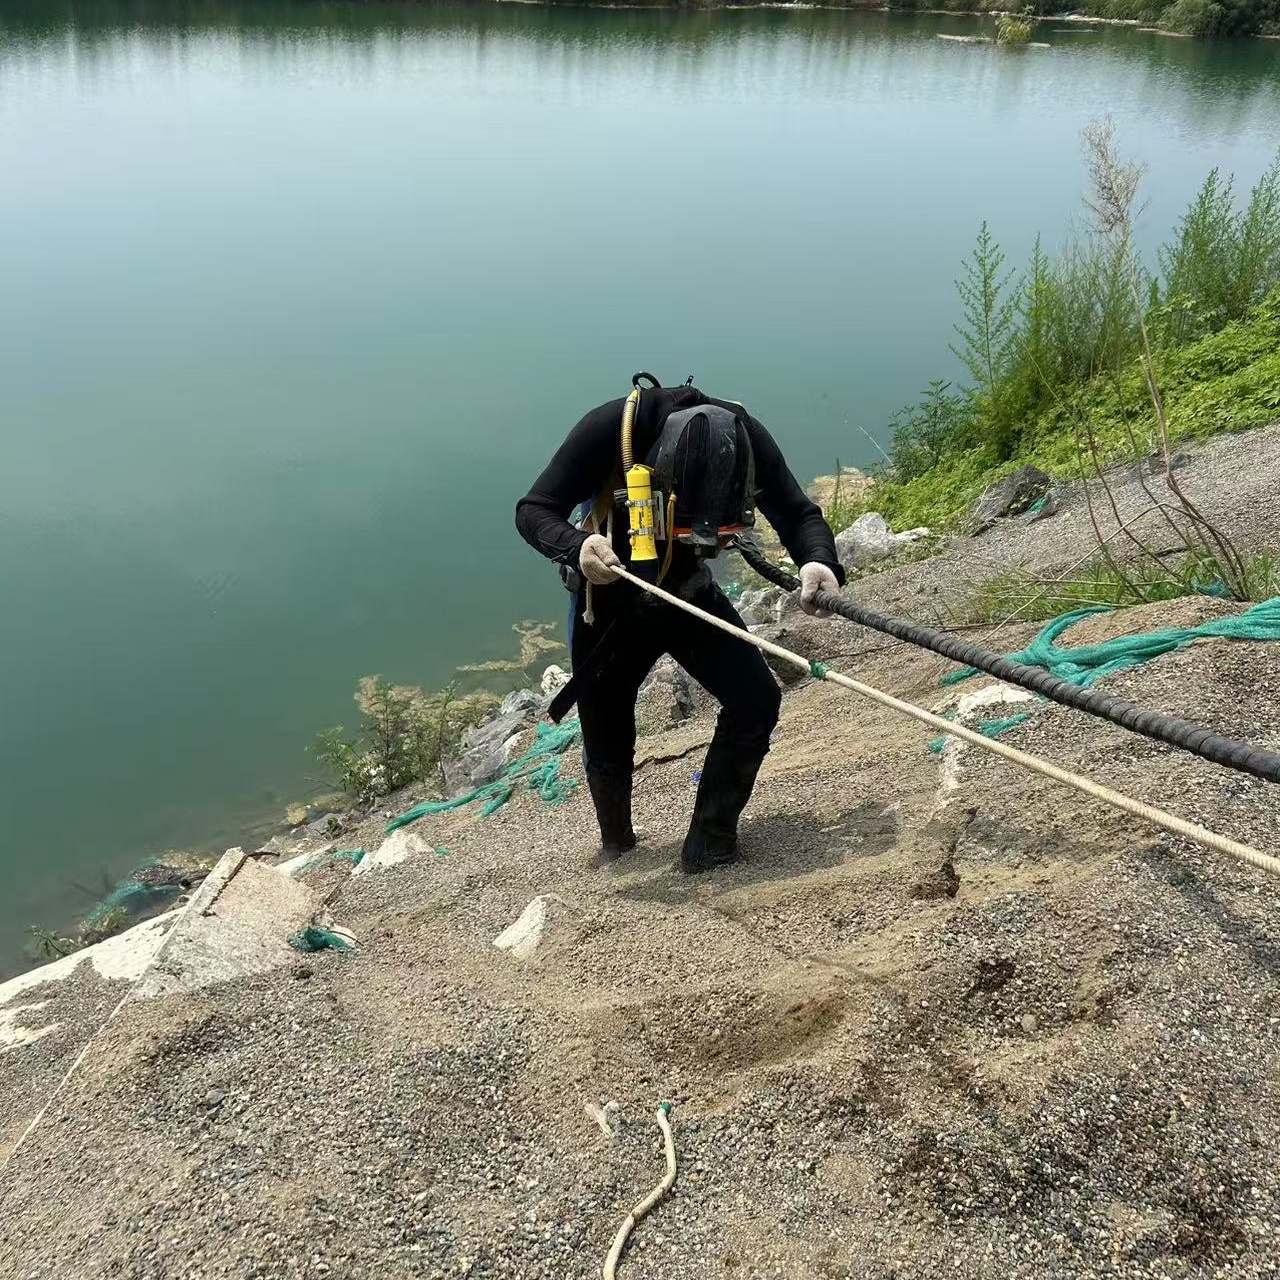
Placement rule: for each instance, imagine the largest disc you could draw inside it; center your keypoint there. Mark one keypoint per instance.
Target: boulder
(522, 702)
(869, 539)
(760, 605)
(1009, 497)
(485, 752)
(398, 847)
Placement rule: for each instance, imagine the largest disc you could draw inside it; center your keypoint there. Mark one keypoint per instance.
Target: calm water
(295, 300)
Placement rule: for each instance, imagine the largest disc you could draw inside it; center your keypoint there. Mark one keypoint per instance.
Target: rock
(485, 752)
(942, 883)
(399, 846)
(1029, 1023)
(869, 539)
(665, 699)
(537, 922)
(760, 606)
(522, 702)
(328, 824)
(1009, 497)
(852, 484)
(553, 680)
(160, 875)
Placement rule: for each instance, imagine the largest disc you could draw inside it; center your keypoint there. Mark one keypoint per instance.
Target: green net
(313, 938)
(988, 729)
(1084, 664)
(330, 856)
(538, 770)
(133, 897)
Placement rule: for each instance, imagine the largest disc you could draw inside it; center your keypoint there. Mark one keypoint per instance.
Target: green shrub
(1013, 29)
(924, 433)
(404, 736)
(1223, 261)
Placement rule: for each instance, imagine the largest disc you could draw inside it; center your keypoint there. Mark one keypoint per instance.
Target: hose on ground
(654, 1196)
(1227, 752)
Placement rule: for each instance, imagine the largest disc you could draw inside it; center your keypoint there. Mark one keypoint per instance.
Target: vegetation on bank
(1184, 17)
(1063, 357)
(404, 736)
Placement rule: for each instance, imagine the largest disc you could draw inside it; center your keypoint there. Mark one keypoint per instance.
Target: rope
(1151, 724)
(1138, 808)
(654, 1196)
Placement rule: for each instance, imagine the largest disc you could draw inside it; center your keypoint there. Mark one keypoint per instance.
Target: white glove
(814, 578)
(598, 561)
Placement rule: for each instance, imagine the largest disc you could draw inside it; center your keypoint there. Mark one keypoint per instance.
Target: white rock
(869, 539)
(553, 680)
(528, 933)
(396, 848)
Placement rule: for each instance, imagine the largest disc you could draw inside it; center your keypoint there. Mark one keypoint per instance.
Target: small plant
(924, 433)
(404, 737)
(104, 924)
(844, 508)
(50, 945)
(1019, 594)
(986, 335)
(1014, 28)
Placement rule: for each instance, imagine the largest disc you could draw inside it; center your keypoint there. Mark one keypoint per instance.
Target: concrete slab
(237, 924)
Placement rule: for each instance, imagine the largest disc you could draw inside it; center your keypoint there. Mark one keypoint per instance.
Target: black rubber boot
(612, 796)
(727, 780)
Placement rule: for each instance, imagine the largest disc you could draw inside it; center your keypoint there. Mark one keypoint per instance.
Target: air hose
(1151, 724)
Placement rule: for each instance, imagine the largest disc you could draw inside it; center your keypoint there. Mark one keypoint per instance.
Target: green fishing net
(1084, 664)
(538, 770)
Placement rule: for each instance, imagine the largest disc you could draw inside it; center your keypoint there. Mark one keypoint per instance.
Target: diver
(662, 481)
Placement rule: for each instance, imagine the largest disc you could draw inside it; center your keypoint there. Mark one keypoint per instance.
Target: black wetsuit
(587, 463)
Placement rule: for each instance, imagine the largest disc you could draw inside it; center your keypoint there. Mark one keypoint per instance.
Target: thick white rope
(648, 1203)
(1138, 808)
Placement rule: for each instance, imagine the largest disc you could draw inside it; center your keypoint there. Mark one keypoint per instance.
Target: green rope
(818, 670)
(538, 770)
(1085, 664)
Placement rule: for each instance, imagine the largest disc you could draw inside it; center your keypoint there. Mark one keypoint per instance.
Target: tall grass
(1031, 597)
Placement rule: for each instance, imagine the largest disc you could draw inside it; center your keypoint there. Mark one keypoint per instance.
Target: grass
(1033, 598)
(1226, 382)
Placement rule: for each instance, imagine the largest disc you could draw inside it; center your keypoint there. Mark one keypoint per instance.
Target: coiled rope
(648, 1203)
(1138, 808)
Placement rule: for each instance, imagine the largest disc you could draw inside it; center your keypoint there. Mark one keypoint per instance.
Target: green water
(296, 299)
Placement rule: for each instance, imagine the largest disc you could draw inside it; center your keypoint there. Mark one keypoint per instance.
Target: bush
(1223, 261)
(924, 433)
(1013, 29)
(404, 737)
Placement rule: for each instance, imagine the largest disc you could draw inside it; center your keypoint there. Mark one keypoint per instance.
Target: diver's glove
(598, 561)
(816, 577)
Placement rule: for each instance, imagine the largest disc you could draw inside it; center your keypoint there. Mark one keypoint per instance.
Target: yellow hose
(671, 537)
(629, 421)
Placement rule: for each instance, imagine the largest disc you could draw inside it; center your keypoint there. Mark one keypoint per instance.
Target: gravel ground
(995, 1032)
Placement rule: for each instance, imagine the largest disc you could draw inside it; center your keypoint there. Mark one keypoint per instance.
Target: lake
(296, 299)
